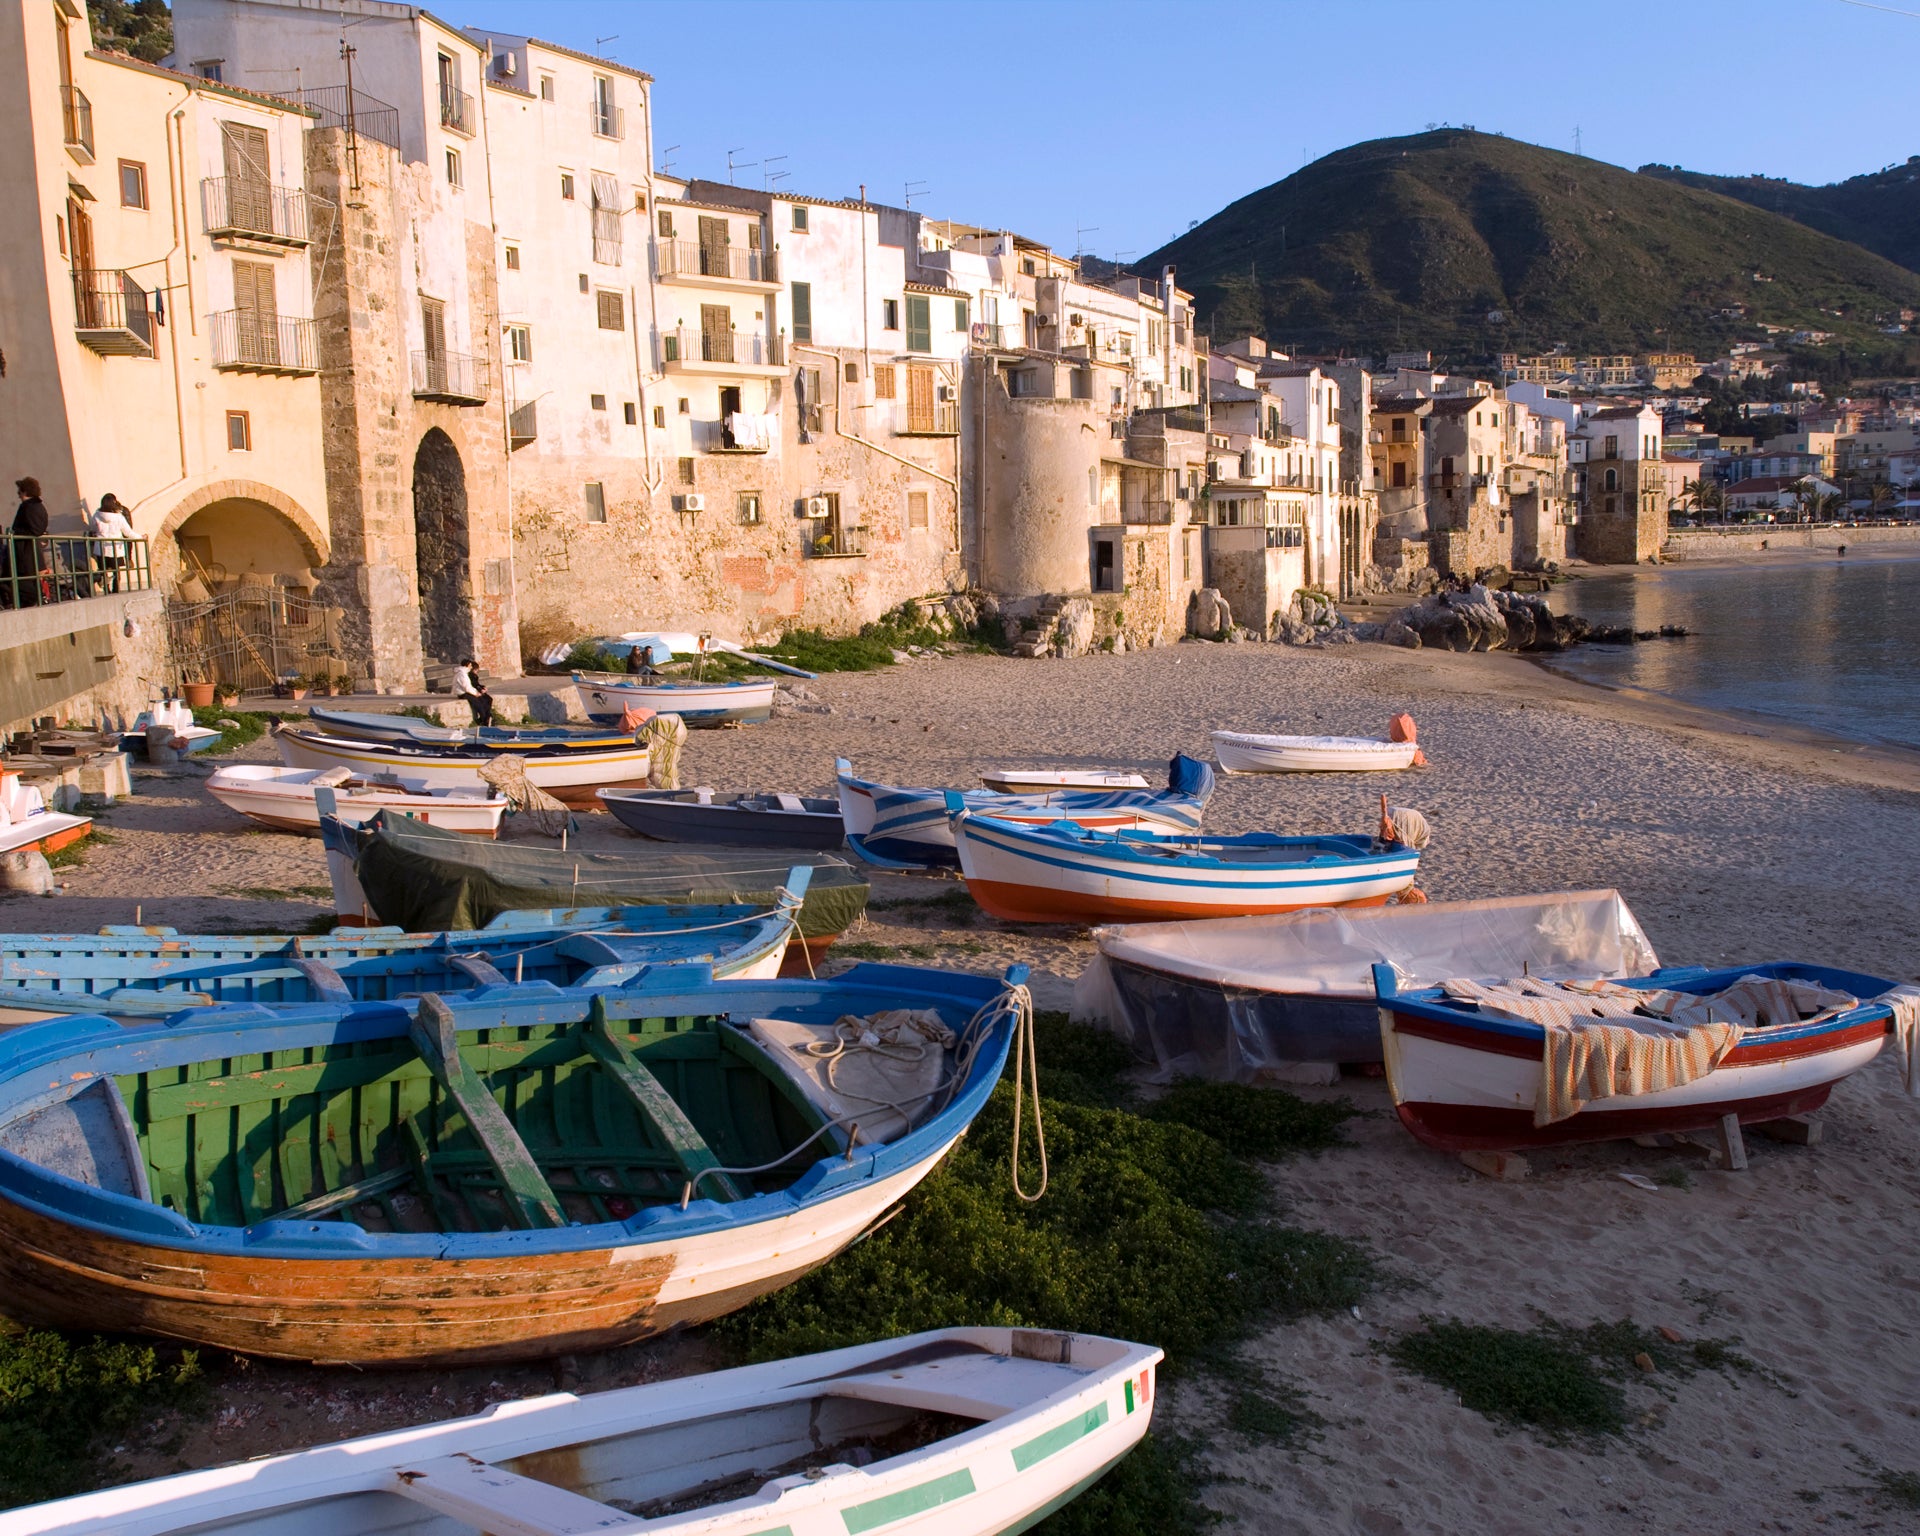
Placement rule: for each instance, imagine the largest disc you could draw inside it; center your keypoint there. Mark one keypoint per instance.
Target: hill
(1470, 244)
(1880, 210)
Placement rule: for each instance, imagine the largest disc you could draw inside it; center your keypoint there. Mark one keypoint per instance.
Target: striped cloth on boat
(1904, 1000)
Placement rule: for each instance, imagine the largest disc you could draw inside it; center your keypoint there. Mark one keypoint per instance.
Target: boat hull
(290, 805)
(1458, 1088)
(911, 825)
(1226, 1033)
(412, 1311)
(701, 706)
(570, 779)
(1042, 781)
(673, 820)
(1241, 753)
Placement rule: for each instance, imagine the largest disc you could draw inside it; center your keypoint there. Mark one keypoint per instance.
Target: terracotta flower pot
(197, 695)
(296, 692)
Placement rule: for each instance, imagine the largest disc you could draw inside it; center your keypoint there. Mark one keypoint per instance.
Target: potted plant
(230, 698)
(197, 695)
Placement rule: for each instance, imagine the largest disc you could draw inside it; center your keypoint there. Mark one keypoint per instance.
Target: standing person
(468, 684)
(29, 528)
(111, 525)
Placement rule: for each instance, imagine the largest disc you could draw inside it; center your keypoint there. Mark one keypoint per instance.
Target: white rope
(1026, 1078)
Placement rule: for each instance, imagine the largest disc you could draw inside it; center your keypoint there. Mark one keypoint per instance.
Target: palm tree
(1881, 498)
(1806, 498)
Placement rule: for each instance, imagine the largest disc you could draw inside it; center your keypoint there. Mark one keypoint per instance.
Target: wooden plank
(664, 1118)
(413, 1144)
(479, 968)
(253, 1141)
(530, 1201)
(347, 1194)
(326, 982)
(750, 1051)
(1733, 1147)
(490, 1498)
(297, 1181)
(1796, 1130)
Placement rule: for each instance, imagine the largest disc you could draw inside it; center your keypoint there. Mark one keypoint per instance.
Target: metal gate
(256, 636)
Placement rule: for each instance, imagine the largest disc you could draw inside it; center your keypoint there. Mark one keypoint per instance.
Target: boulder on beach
(1208, 616)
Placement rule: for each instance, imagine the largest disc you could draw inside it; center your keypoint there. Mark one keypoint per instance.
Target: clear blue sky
(1132, 120)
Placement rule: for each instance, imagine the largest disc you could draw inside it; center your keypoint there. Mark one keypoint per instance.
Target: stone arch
(287, 536)
(442, 549)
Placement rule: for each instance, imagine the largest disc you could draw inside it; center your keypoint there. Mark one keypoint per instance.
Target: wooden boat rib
(701, 705)
(891, 824)
(369, 726)
(155, 972)
(1240, 752)
(1231, 997)
(570, 777)
(1068, 873)
(1464, 1079)
(958, 1432)
(284, 798)
(731, 820)
(516, 1172)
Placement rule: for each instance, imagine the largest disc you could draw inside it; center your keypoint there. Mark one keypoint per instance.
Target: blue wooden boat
(546, 739)
(153, 972)
(888, 824)
(513, 1172)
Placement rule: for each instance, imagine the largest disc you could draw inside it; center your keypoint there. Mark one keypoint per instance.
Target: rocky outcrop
(1483, 620)
(1073, 629)
(1208, 616)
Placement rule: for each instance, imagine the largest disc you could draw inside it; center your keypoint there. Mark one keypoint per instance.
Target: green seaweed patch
(1154, 1490)
(1254, 1122)
(75, 853)
(1561, 1381)
(62, 1396)
(237, 728)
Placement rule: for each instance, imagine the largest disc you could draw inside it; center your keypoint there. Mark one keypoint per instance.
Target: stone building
(1623, 512)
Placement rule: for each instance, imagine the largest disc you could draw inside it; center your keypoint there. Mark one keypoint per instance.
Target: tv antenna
(912, 189)
(769, 177)
(737, 165)
(666, 159)
(612, 37)
(1576, 138)
(1080, 233)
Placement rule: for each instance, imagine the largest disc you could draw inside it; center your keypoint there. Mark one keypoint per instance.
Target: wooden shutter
(919, 399)
(243, 151)
(916, 509)
(803, 313)
(883, 381)
(433, 327)
(612, 307)
(713, 247)
(256, 312)
(716, 333)
(919, 323)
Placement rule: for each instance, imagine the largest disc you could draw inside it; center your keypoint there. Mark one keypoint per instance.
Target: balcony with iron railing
(453, 378)
(523, 425)
(689, 261)
(246, 341)
(687, 349)
(831, 543)
(252, 210)
(607, 120)
(355, 111)
(456, 110)
(998, 338)
(58, 568)
(110, 313)
(76, 123)
(940, 419)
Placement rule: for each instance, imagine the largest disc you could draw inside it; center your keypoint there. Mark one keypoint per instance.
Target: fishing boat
(393, 870)
(1045, 781)
(177, 717)
(735, 820)
(1237, 997)
(955, 1432)
(701, 704)
(27, 824)
(509, 1173)
(357, 726)
(1241, 753)
(1066, 873)
(570, 777)
(287, 800)
(133, 973)
(888, 824)
(1524, 1062)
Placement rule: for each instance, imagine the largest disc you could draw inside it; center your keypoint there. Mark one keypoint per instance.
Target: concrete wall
(105, 673)
(1716, 544)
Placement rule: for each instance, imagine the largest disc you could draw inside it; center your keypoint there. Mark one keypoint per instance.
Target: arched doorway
(441, 549)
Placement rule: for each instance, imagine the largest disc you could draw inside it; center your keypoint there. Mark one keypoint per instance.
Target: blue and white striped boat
(888, 824)
(1065, 873)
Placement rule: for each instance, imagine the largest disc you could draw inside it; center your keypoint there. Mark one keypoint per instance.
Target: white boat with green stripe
(959, 1432)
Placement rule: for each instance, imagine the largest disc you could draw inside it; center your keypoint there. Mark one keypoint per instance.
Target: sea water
(1828, 641)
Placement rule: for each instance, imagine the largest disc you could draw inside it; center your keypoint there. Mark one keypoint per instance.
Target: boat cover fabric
(664, 735)
(1904, 1000)
(1189, 968)
(426, 879)
(877, 1077)
(544, 814)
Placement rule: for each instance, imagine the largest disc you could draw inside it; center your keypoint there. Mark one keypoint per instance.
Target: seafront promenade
(1754, 539)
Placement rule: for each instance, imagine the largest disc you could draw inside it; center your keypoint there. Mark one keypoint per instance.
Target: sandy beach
(1733, 840)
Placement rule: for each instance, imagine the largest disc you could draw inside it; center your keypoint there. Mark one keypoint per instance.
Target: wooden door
(716, 332)
(256, 313)
(244, 152)
(433, 341)
(919, 399)
(86, 286)
(713, 247)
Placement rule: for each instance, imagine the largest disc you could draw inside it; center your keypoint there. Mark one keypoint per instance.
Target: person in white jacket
(110, 523)
(467, 683)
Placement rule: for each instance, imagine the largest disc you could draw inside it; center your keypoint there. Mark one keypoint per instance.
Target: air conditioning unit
(505, 65)
(946, 391)
(816, 506)
(1076, 320)
(693, 502)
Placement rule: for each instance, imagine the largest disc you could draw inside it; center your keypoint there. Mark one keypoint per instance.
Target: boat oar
(765, 661)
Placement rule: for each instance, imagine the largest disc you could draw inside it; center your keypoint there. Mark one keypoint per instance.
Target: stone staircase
(1038, 636)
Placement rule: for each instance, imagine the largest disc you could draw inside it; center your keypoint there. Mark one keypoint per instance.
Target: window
(889, 314)
(1613, 449)
(60, 233)
(665, 220)
(453, 168)
(546, 87)
(630, 412)
(800, 219)
(659, 415)
(802, 310)
(748, 506)
(613, 310)
(239, 432)
(686, 406)
(209, 69)
(566, 185)
(960, 315)
(133, 184)
(1118, 399)
(1082, 384)
(584, 284)
(1026, 266)
(1399, 429)
(686, 471)
(1093, 485)
(604, 192)
(639, 201)
(513, 258)
(596, 499)
(519, 343)
(916, 509)
(1613, 480)
(919, 323)
(597, 402)
(1399, 474)
(852, 374)
(883, 381)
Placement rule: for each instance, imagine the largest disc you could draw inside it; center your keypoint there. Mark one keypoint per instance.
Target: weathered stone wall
(1718, 543)
(1637, 527)
(1257, 582)
(37, 641)
(1037, 456)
